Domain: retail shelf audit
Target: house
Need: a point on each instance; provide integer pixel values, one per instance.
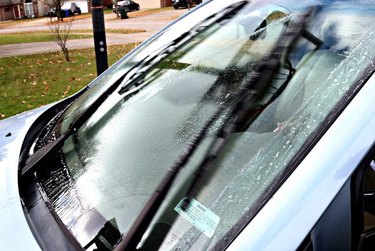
(10, 9)
(17, 9)
(146, 4)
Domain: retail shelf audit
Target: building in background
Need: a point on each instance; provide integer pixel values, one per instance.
(148, 4)
(17, 9)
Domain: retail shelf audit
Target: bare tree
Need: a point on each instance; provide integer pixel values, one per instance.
(60, 32)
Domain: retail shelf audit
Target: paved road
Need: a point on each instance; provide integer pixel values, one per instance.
(151, 23)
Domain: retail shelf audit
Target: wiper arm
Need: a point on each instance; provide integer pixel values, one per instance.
(251, 95)
(253, 92)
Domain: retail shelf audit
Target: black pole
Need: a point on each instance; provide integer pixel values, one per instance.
(99, 36)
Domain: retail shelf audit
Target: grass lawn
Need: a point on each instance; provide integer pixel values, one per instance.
(31, 81)
(44, 36)
(16, 38)
(120, 31)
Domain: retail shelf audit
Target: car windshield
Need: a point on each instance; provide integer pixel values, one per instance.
(109, 167)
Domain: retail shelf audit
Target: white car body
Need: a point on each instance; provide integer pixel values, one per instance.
(313, 201)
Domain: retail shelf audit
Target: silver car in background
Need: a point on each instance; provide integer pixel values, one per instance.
(240, 126)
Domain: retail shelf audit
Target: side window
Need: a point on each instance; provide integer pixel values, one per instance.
(333, 230)
(369, 198)
(367, 235)
(363, 205)
(349, 222)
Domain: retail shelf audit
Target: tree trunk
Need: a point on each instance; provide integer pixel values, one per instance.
(58, 11)
(66, 53)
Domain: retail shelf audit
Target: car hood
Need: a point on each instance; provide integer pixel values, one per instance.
(12, 218)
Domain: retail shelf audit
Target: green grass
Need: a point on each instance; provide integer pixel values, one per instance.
(31, 81)
(45, 36)
(120, 31)
(17, 38)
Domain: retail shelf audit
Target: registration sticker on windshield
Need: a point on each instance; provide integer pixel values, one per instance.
(199, 216)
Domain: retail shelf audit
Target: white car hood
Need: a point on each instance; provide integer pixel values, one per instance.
(15, 233)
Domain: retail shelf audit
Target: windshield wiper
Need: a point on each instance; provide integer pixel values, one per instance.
(136, 75)
(133, 77)
(251, 94)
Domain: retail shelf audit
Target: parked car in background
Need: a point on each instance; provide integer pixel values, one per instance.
(51, 12)
(70, 9)
(67, 9)
(243, 125)
(185, 3)
(127, 6)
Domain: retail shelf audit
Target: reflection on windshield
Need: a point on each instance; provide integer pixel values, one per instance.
(114, 162)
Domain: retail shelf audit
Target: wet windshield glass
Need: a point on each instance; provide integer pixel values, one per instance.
(99, 85)
(113, 163)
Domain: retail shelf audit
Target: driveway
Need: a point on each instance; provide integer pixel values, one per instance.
(150, 23)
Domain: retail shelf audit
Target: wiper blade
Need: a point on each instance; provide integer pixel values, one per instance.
(135, 76)
(252, 92)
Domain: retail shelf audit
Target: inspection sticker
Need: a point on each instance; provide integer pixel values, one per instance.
(199, 216)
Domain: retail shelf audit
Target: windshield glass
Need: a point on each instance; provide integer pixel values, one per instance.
(99, 85)
(108, 169)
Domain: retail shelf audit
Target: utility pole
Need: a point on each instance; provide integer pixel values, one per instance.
(99, 36)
